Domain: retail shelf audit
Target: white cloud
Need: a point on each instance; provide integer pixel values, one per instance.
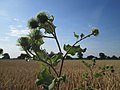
(15, 31)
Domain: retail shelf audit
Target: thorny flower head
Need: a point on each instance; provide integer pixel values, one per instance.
(42, 17)
(95, 31)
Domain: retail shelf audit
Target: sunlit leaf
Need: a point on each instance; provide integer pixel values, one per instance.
(72, 49)
(53, 84)
(44, 77)
(43, 54)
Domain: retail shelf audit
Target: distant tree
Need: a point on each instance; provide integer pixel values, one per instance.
(114, 57)
(23, 56)
(80, 55)
(68, 57)
(108, 57)
(102, 56)
(90, 57)
(119, 57)
(5, 56)
(1, 50)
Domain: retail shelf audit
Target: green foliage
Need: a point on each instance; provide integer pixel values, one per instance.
(56, 81)
(91, 76)
(44, 77)
(56, 59)
(32, 23)
(42, 17)
(24, 42)
(73, 49)
(41, 27)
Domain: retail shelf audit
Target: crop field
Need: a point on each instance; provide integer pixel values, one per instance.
(21, 75)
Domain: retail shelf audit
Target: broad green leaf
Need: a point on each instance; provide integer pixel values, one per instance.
(53, 84)
(44, 77)
(56, 81)
(43, 54)
(76, 36)
(72, 50)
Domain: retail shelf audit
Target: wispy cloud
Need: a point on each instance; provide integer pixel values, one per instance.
(17, 32)
(16, 19)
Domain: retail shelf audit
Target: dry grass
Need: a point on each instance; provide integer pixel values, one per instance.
(21, 75)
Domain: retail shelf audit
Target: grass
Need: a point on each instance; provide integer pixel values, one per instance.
(21, 75)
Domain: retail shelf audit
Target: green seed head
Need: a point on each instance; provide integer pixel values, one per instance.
(32, 23)
(42, 17)
(95, 31)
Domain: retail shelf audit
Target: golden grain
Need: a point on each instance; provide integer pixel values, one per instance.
(21, 75)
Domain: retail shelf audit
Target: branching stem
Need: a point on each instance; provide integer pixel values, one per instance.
(69, 50)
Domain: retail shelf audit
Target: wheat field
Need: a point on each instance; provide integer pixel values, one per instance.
(21, 75)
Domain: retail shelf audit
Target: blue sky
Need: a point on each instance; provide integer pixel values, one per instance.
(70, 16)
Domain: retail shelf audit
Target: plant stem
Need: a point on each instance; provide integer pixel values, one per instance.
(47, 64)
(69, 50)
(47, 37)
(57, 42)
(55, 36)
(28, 53)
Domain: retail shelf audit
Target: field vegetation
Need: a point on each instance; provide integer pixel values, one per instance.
(21, 75)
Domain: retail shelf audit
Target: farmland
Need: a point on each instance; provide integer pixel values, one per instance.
(21, 75)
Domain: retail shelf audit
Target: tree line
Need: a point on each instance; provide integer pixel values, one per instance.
(102, 56)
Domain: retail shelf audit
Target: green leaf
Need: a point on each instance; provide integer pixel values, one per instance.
(53, 84)
(76, 36)
(86, 64)
(44, 77)
(82, 35)
(56, 58)
(62, 78)
(43, 54)
(56, 81)
(72, 49)
(97, 75)
(85, 75)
